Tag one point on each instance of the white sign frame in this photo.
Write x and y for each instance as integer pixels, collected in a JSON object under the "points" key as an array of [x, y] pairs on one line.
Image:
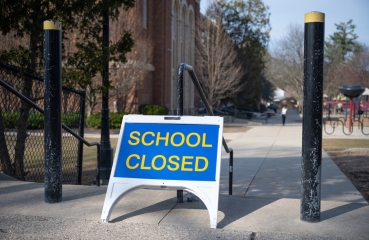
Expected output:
{"points": [[207, 191]]}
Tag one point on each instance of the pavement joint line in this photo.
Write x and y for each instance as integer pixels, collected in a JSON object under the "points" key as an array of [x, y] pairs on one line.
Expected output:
{"points": [[252, 180], [171, 210]]}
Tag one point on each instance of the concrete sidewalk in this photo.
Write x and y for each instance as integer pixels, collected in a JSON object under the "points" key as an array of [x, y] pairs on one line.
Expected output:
{"points": [[265, 203]]}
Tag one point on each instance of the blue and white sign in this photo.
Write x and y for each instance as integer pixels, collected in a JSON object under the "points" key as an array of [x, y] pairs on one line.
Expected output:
{"points": [[179, 152]]}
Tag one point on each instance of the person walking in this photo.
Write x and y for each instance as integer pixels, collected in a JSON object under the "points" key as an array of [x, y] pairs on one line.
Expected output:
{"points": [[284, 113]]}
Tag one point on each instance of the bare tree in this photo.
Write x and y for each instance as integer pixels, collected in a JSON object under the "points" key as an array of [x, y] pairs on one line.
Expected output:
{"points": [[359, 63], [220, 73], [285, 63]]}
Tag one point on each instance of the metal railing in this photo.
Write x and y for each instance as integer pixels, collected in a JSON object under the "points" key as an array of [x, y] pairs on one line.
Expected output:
{"points": [[22, 101], [195, 81]]}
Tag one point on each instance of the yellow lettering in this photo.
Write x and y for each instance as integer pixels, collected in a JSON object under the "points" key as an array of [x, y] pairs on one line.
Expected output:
{"points": [[197, 169], [129, 158], [143, 138], [174, 163], [184, 163], [188, 139], [172, 139], [153, 162], [166, 138], [204, 141], [143, 167], [131, 135]]}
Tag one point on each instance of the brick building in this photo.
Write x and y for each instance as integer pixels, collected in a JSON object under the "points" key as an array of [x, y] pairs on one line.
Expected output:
{"points": [[164, 34]]}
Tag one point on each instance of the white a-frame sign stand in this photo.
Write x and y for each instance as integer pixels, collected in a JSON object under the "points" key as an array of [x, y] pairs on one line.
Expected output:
{"points": [[169, 152]]}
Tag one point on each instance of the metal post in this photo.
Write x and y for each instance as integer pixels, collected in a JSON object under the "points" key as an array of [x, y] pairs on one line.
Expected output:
{"points": [[346, 108], [230, 187], [180, 111], [106, 150], [312, 117], [350, 116], [53, 111], [81, 132]]}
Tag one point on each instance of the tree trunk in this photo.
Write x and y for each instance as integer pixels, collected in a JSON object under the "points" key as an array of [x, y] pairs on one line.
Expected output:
{"points": [[6, 164], [20, 145]]}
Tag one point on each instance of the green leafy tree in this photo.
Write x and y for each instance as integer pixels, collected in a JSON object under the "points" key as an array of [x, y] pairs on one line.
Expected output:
{"points": [[22, 23], [267, 90], [247, 23], [339, 49], [342, 42], [84, 66]]}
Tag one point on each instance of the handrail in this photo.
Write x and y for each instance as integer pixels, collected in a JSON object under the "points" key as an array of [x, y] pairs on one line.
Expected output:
{"points": [[189, 68], [38, 108]]}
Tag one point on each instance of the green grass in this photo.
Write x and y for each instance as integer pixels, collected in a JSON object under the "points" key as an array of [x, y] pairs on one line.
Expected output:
{"points": [[90, 160], [343, 144]]}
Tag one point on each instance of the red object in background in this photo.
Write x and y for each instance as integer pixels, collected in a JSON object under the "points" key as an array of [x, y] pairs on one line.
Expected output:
{"points": [[350, 117]]}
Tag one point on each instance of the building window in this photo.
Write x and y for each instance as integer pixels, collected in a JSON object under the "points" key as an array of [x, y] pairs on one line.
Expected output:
{"points": [[144, 14]]}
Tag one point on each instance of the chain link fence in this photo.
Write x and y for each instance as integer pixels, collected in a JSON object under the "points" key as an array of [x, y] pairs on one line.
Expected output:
{"points": [[22, 128]]}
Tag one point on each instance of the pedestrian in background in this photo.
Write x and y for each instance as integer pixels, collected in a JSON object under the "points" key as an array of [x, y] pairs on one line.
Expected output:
{"points": [[284, 113]]}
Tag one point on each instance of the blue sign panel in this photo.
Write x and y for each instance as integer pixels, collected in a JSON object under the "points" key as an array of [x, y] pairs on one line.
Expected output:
{"points": [[168, 151]]}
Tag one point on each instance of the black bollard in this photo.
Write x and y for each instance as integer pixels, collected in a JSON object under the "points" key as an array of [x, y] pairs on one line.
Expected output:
{"points": [[312, 117], [53, 113]]}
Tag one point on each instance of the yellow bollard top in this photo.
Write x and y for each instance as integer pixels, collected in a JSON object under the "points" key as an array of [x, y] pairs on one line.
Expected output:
{"points": [[52, 25], [314, 17]]}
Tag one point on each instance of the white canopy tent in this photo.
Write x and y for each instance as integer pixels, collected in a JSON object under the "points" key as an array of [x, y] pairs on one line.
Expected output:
{"points": [[366, 92]]}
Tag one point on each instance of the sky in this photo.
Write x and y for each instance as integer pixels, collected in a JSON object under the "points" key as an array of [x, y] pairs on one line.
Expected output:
{"points": [[285, 12]]}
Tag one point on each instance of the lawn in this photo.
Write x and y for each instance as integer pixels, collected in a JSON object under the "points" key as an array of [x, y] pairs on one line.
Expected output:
{"points": [[90, 160], [343, 144]]}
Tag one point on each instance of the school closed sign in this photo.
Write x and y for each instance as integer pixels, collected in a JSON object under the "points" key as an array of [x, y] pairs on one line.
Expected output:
{"points": [[168, 151]]}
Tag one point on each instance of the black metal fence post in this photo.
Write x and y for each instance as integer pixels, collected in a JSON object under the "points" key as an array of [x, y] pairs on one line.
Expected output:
{"points": [[53, 111], [312, 117], [81, 132], [106, 152], [230, 179], [180, 111]]}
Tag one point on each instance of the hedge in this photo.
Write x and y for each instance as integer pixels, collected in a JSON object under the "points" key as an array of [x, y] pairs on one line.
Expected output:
{"points": [[36, 120], [153, 109], [94, 121]]}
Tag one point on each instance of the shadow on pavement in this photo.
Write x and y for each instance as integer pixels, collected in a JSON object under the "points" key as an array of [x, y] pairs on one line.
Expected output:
{"points": [[334, 212]]}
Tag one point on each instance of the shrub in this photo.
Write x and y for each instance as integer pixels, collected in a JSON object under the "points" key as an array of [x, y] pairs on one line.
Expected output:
{"points": [[116, 120], [94, 121], [71, 120], [153, 109], [10, 119], [35, 120]]}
